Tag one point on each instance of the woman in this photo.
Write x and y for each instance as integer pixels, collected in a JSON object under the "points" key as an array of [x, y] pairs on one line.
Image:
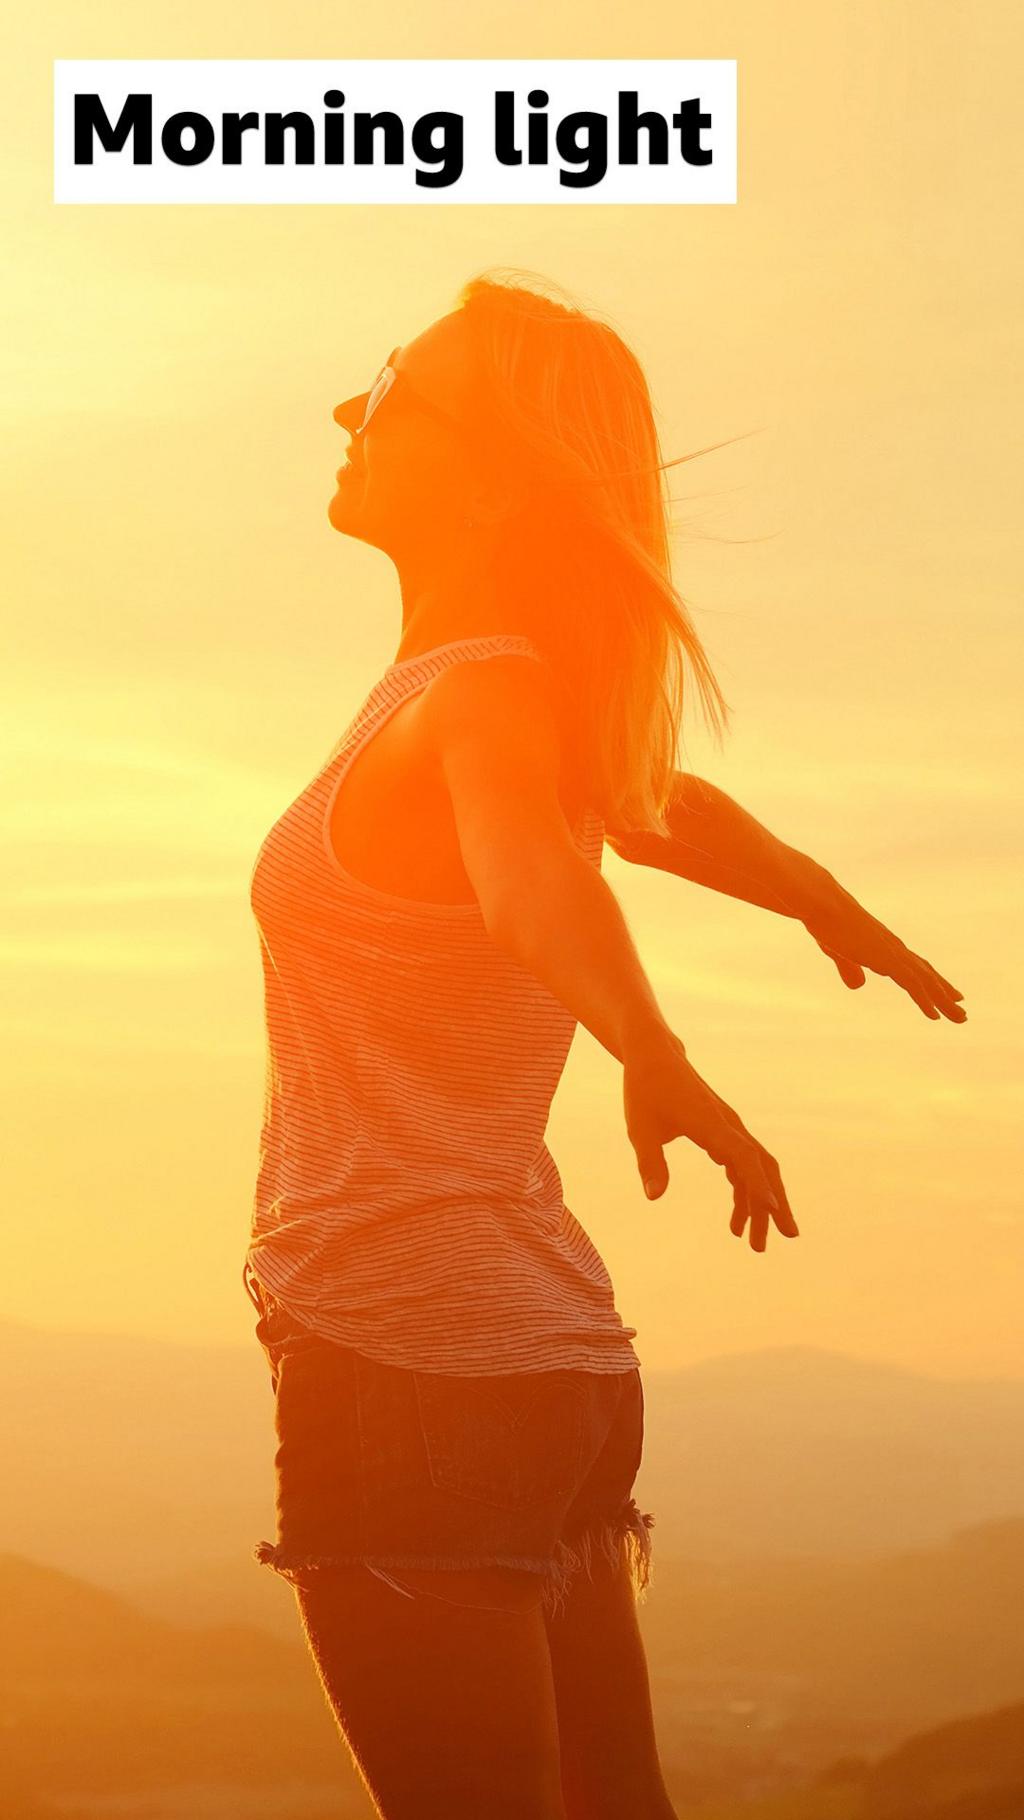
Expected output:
{"points": [[459, 1407]]}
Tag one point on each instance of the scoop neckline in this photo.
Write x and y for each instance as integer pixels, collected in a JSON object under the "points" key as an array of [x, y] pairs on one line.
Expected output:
{"points": [[454, 644]]}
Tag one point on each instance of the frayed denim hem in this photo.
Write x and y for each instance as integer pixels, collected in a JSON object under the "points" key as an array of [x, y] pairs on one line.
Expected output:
{"points": [[631, 1528], [289, 1563]]}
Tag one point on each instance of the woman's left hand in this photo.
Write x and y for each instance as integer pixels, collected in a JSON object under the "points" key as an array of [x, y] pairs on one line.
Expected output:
{"points": [[856, 941]]}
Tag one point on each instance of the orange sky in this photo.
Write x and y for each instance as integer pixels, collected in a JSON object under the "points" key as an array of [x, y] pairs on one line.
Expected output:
{"points": [[190, 638]]}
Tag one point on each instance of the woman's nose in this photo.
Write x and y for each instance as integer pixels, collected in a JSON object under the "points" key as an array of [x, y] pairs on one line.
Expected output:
{"points": [[350, 414]]}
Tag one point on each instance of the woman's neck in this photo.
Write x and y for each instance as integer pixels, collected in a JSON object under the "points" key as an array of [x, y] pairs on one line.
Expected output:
{"points": [[455, 598]]}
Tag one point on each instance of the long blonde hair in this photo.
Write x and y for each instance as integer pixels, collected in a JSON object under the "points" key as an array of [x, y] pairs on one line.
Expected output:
{"points": [[586, 563]]}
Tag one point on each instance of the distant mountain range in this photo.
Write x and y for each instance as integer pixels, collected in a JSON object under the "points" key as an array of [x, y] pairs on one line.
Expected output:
{"points": [[970, 1769], [797, 1450], [839, 1563], [101, 1703], [140, 1462], [763, 1685], [776, 1663]]}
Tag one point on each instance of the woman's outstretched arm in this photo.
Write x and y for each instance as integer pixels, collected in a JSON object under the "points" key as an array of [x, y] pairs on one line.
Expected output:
{"points": [[492, 732], [715, 842]]}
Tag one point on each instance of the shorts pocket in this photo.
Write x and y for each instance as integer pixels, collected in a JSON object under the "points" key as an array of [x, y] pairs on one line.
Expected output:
{"points": [[507, 1442], [281, 1335]]}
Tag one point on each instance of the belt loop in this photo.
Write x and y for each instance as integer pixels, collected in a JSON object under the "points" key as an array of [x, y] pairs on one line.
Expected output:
{"points": [[252, 1289]]}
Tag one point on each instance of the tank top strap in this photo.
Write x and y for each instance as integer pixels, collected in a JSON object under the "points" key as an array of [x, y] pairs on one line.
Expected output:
{"points": [[400, 680], [493, 644], [413, 673]]}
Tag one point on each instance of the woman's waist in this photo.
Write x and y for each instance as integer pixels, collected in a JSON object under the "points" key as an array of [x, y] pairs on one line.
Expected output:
{"points": [[489, 1337], [440, 1269], [319, 1216]]}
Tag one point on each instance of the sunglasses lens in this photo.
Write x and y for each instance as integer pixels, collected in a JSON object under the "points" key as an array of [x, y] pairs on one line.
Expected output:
{"points": [[381, 386]]}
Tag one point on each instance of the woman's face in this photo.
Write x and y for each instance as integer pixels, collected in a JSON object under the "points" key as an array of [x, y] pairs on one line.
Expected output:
{"points": [[414, 475]]}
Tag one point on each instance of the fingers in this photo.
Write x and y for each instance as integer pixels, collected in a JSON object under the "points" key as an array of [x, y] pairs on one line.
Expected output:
{"points": [[887, 955], [758, 1194], [740, 1210], [744, 1209], [921, 998], [650, 1158], [944, 996], [943, 985], [758, 1190], [760, 1215], [758, 1228], [850, 974], [782, 1212], [647, 1132], [927, 989], [930, 992]]}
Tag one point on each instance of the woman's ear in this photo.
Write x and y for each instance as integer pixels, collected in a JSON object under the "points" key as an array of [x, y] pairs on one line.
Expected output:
{"points": [[494, 503]]}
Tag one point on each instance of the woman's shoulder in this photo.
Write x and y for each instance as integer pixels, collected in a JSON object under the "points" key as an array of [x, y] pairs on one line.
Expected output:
{"points": [[507, 693], [514, 711]]}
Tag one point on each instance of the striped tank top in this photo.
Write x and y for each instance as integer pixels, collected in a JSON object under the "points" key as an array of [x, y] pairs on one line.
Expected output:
{"points": [[406, 1204]]}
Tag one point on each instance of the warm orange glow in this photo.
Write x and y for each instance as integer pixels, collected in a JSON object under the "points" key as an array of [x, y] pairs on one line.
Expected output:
{"points": [[191, 637]]}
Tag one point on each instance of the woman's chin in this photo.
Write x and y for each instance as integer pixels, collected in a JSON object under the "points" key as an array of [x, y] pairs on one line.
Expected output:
{"points": [[345, 514], [340, 512]]}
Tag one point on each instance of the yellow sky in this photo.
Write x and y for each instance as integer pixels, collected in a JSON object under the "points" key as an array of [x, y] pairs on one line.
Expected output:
{"points": [[190, 636]]}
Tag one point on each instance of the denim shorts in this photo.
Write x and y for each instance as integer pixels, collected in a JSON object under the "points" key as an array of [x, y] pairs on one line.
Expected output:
{"points": [[385, 1467]]}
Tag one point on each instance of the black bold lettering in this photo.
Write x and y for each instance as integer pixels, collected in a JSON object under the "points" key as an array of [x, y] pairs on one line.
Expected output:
{"points": [[691, 122], [364, 127], [592, 152], [136, 117], [537, 127], [449, 154], [505, 149], [203, 141], [631, 123], [334, 128], [305, 138], [234, 126]]}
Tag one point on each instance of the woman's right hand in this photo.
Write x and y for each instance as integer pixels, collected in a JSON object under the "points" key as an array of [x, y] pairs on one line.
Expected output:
{"points": [[665, 1098]]}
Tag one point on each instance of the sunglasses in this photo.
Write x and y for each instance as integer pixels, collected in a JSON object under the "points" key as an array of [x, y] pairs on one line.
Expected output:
{"points": [[355, 414]]}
